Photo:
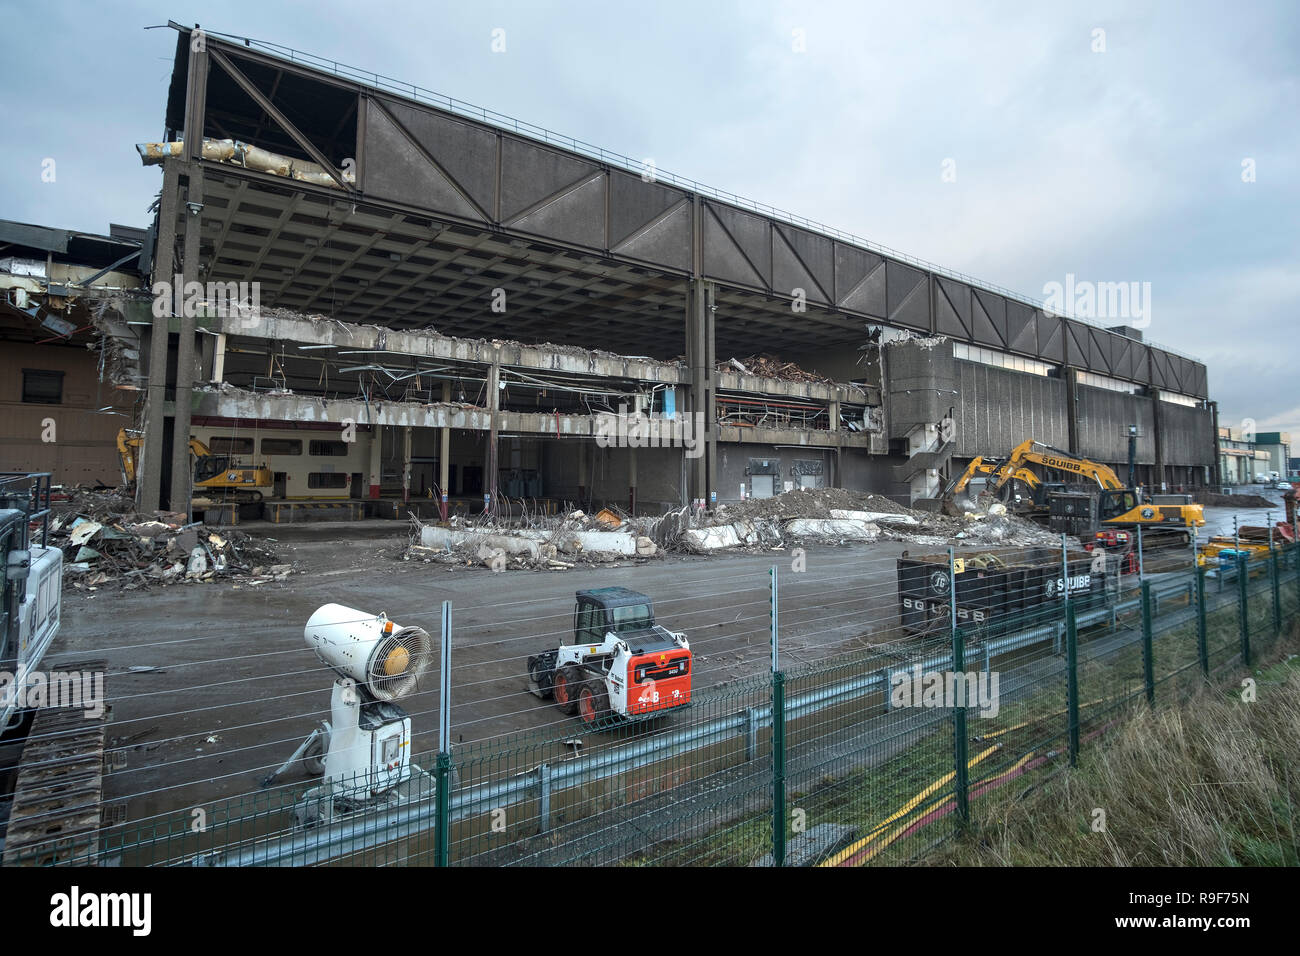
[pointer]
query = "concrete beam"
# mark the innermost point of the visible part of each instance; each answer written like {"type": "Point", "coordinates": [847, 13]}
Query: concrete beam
{"type": "Point", "coordinates": [794, 436]}
{"type": "Point", "coordinates": [236, 403]}
{"type": "Point", "coordinates": [321, 331]}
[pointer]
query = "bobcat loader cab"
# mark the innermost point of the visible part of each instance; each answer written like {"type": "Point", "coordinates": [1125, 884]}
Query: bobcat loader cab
{"type": "Point", "coordinates": [621, 663]}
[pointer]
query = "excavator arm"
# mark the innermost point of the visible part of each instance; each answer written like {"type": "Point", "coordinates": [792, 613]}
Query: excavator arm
{"type": "Point", "coordinates": [1029, 453]}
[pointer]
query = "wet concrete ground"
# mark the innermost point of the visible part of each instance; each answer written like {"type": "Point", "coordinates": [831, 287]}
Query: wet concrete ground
{"type": "Point", "coordinates": [236, 688]}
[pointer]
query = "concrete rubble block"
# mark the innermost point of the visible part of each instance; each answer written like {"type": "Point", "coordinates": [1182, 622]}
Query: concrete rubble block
{"type": "Point", "coordinates": [884, 517]}
{"type": "Point", "coordinates": [711, 539]}
{"type": "Point", "coordinates": [645, 548]}
{"type": "Point", "coordinates": [832, 528]}
{"type": "Point", "coordinates": [534, 544]}
{"type": "Point", "coordinates": [612, 542]}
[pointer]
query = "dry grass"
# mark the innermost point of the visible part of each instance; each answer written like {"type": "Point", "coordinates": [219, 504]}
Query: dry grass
{"type": "Point", "coordinates": [1213, 782]}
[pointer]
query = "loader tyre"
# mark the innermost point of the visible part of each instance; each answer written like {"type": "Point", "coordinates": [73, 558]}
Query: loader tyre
{"type": "Point", "coordinates": [567, 682]}
{"type": "Point", "coordinates": [541, 671]}
{"type": "Point", "coordinates": [593, 704]}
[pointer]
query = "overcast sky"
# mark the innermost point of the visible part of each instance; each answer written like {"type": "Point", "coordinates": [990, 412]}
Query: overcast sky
{"type": "Point", "coordinates": [1019, 143]}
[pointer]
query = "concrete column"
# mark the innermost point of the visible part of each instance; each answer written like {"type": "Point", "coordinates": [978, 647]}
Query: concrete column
{"type": "Point", "coordinates": [494, 407]}
{"type": "Point", "coordinates": [836, 459]}
{"type": "Point", "coordinates": [148, 466]}
{"type": "Point", "coordinates": [710, 396]}
{"type": "Point", "coordinates": [375, 475]}
{"type": "Point", "coordinates": [631, 481]}
{"type": "Point", "coordinates": [444, 457]}
{"type": "Point", "coordinates": [582, 473]}
{"type": "Point", "coordinates": [216, 366]}
{"type": "Point", "coordinates": [1217, 471]}
{"type": "Point", "coordinates": [695, 362]}
{"type": "Point", "coordinates": [182, 471]}
{"type": "Point", "coordinates": [1158, 477]}
{"type": "Point", "coordinates": [196, 94]}
{"type": "Point", "coordinates": [406, 464]}
{"type": "Point", "coordinates": [701, 357]}
{"type": "Point", "coordinates": [1072, 409]}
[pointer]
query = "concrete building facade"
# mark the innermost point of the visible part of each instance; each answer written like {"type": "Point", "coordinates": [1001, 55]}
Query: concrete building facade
{"type": "Point", "coordinates": [479, 297]}
{"type": "Point", "coordinates": [61, 406]}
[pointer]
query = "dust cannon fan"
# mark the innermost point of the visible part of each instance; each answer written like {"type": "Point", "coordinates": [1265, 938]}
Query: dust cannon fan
{"type": "Point", "coordinates": [364, 749]}
{"type": "Point", "coordinates": [385, 659]}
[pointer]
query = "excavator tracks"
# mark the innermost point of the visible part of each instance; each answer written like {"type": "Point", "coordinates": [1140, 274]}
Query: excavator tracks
{"type": "Point", "coordinates": [58, 797]}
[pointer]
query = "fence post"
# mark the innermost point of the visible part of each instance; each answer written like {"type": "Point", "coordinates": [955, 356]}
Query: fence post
{"type": "Point", "coordinates": [778, 739]}
{"type": "Point", "coordinates": [1277, 594]}
{"type": "Point", "coordinates": [1072, 680]}
{"type": "Point", "coordinates": [959, 740]}
{"type": "Point", "coordinates": [441, 835]}
{"type": "Point", "coordinates": [1243, 624]}
{"type": "Point", "coordinates": [1148, 664]}
{"type": "Point", "coordinates": [1202, 643]}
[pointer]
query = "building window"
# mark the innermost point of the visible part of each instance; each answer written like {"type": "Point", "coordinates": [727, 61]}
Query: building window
{"type": "Point", "coordinates": [42, 387]}
{"type": "Point", "coordinates": [281, 446]}
{"type": "Point", "coordinates": [230, 445]}
{"type": "Point", "coordinates": [327, 449]}
{"type": "Point", "coordinates": [327, 479]}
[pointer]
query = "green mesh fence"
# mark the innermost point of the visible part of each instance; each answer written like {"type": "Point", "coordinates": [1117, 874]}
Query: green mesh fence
{"type": "Point", "coordinates": [852, 759]}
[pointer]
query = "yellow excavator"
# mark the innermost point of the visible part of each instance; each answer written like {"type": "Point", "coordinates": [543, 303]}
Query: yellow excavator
{"type": "Point", "coordinates": [221, 476]}
{"type": "Point", "coordinates": [956, 498]}
{"type": "Point", "coordinates": [1117, 507]}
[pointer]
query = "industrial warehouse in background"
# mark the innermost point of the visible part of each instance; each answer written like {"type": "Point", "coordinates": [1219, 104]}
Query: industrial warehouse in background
{"type": "Point", "coordinates": [401, 301]}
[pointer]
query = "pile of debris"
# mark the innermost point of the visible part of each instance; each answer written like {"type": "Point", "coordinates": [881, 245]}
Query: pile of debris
{"type": "Point", "coordinates": [768, 366]}
{"type": "Point", "coordinates": [102, 546]}
{"type": "Point", "coordinates": [837, 515]}
{"type": "Point", "coordinates": [556, 544]}
{"type": "Point", "coordinates": [824, 515]}
{"type": "Point", "coordinates": [1211, 499]}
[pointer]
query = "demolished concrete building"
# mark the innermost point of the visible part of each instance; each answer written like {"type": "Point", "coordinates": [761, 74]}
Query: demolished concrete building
{"type": "Point", "coordinates": [388, 296]}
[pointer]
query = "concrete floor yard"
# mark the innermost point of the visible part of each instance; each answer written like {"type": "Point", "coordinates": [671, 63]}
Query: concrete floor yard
{"type": "Point", "coordinates": [236, 688]}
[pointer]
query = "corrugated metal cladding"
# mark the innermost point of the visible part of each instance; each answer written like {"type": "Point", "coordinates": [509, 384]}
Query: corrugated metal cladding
{"type": "Point", "coordinates": [1104, 417]}
{"type": "Point", "coordinates": [454, 166]}
{"type": "Point", "coordinates": [1187, 436]}
{"type": "Point", "coordinates": [1000, 408]}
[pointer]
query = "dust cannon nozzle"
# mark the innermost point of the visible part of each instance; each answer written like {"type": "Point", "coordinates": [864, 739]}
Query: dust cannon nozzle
{"type": "Point", "coordinates": [384, 658]}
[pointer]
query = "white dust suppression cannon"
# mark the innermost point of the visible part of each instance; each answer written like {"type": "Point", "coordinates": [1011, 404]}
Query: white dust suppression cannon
{"type": "Point", "coordinates": [364, 749]}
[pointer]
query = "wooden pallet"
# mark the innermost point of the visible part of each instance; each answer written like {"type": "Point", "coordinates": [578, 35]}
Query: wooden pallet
{"type": "Point", "coordinates": [58, 796]}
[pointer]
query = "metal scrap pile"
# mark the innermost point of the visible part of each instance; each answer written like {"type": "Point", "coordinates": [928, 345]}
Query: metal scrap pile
{"type": "Point", "coordinates": [768, 366]}
{"type": "Point", "coordinates": [135, 552]}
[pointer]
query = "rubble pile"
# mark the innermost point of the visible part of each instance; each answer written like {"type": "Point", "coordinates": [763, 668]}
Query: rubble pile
{"type": "Point", "coordinates": [1212, 499]}
{"type": "Point", "coordinates": [768, 366]}
{"type": "Point", "coordinates": [102, 545]}
{"type": "Point", "coordinates": [834, 514]}
{"type": "Point", "coordinates": [824, 515]}
{"type": "Point", "coordinates": [556, 544]}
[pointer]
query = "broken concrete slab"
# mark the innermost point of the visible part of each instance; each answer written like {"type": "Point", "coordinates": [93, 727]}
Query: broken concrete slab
{"type": "Point", "coordinates": [885, 517]}
{"type": "Point", "coordinates": [833, 528]}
